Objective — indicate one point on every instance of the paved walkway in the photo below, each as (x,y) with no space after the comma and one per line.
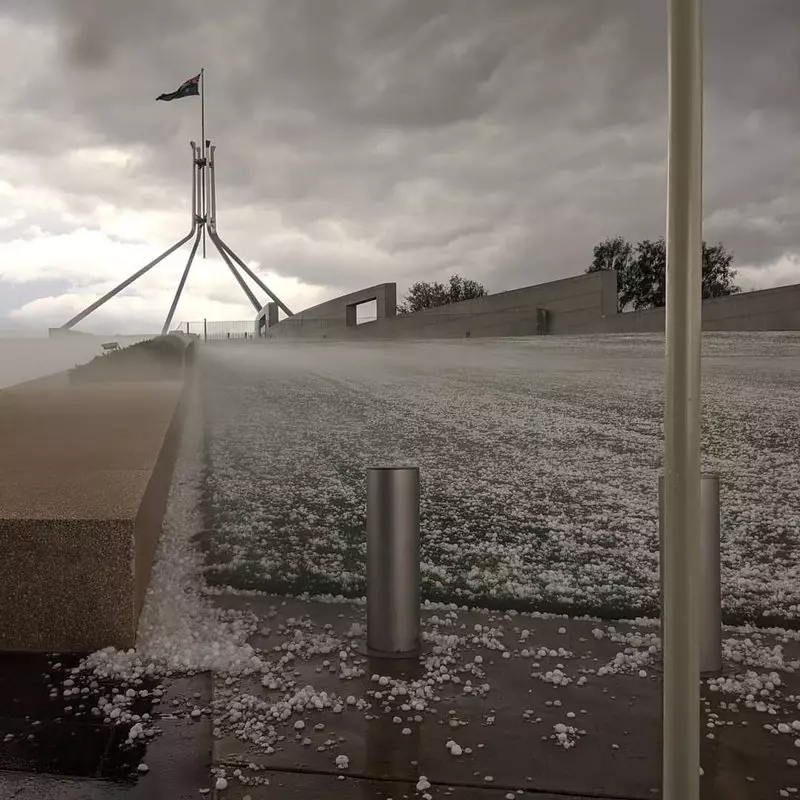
(52,748)
(537,708)
(507,725)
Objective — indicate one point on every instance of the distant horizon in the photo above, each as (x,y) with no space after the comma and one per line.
(27,334)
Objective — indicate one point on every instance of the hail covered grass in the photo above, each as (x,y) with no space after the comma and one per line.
(539,461)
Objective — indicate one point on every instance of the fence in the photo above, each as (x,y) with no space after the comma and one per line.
(215,330)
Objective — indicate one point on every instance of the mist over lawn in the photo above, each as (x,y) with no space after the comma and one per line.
(539,461)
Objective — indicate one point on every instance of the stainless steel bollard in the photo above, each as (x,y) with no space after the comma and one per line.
(393,575)
(710,591)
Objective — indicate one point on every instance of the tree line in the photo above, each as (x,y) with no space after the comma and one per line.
(641,277)
(423,295)
(642,271)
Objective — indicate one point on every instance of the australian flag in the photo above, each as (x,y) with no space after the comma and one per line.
(186,89)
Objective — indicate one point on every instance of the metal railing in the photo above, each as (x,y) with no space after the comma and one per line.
(219,330)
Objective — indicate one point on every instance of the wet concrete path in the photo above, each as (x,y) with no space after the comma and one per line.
(608,702)
(51,746)
(530,678)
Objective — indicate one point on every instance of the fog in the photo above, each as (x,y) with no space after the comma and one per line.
(539,459)
(400,362)
(26,359)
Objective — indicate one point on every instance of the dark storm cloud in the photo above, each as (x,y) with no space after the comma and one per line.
(94,31)
(498,139)
(411,239)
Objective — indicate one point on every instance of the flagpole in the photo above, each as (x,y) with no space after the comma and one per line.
(203,146)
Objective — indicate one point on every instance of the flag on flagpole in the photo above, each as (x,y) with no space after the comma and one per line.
(192,87)
(186,89)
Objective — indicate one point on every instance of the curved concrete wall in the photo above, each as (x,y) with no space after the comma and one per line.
(331,319)
(582,305)
(554,307)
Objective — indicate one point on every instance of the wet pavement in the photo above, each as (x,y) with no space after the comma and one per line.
(554,708)
(305,786)
(508,733)
(52,746)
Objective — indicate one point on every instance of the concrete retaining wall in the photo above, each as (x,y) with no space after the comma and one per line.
(766,310)
(585,304)
(333,319)
(85,472)
(555,307)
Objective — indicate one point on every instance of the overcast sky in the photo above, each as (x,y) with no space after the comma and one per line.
(363,141)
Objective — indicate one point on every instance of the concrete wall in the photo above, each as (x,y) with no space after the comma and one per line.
(766,310)
(332,319)
(582,305)
(555,307)
(86,476)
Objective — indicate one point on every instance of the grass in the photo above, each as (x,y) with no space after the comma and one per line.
(154,359)
(539,462)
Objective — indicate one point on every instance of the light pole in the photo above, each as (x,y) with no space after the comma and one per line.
(682,519)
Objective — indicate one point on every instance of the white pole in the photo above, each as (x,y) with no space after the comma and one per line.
(710,583)
(682,518)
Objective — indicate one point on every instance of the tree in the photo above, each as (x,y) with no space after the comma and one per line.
(464,289)
(642,271)
(647,276)
(615,254)
(718,272)
(432,295)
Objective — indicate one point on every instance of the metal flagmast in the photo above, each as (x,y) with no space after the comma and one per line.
(203,148)
(204,206)
(201,202)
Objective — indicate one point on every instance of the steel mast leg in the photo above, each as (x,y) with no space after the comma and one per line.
(212,231)
(211,205)
(128,281)
(245,288)
(255,278)
(185,275)
(212,191)
(116,290)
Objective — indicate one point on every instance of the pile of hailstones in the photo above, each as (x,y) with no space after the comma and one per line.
(260,720)
(94,695)
(264,719)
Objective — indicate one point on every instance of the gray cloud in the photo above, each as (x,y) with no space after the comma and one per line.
(500,140)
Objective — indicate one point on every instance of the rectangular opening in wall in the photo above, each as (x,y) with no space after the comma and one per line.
(366,312)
